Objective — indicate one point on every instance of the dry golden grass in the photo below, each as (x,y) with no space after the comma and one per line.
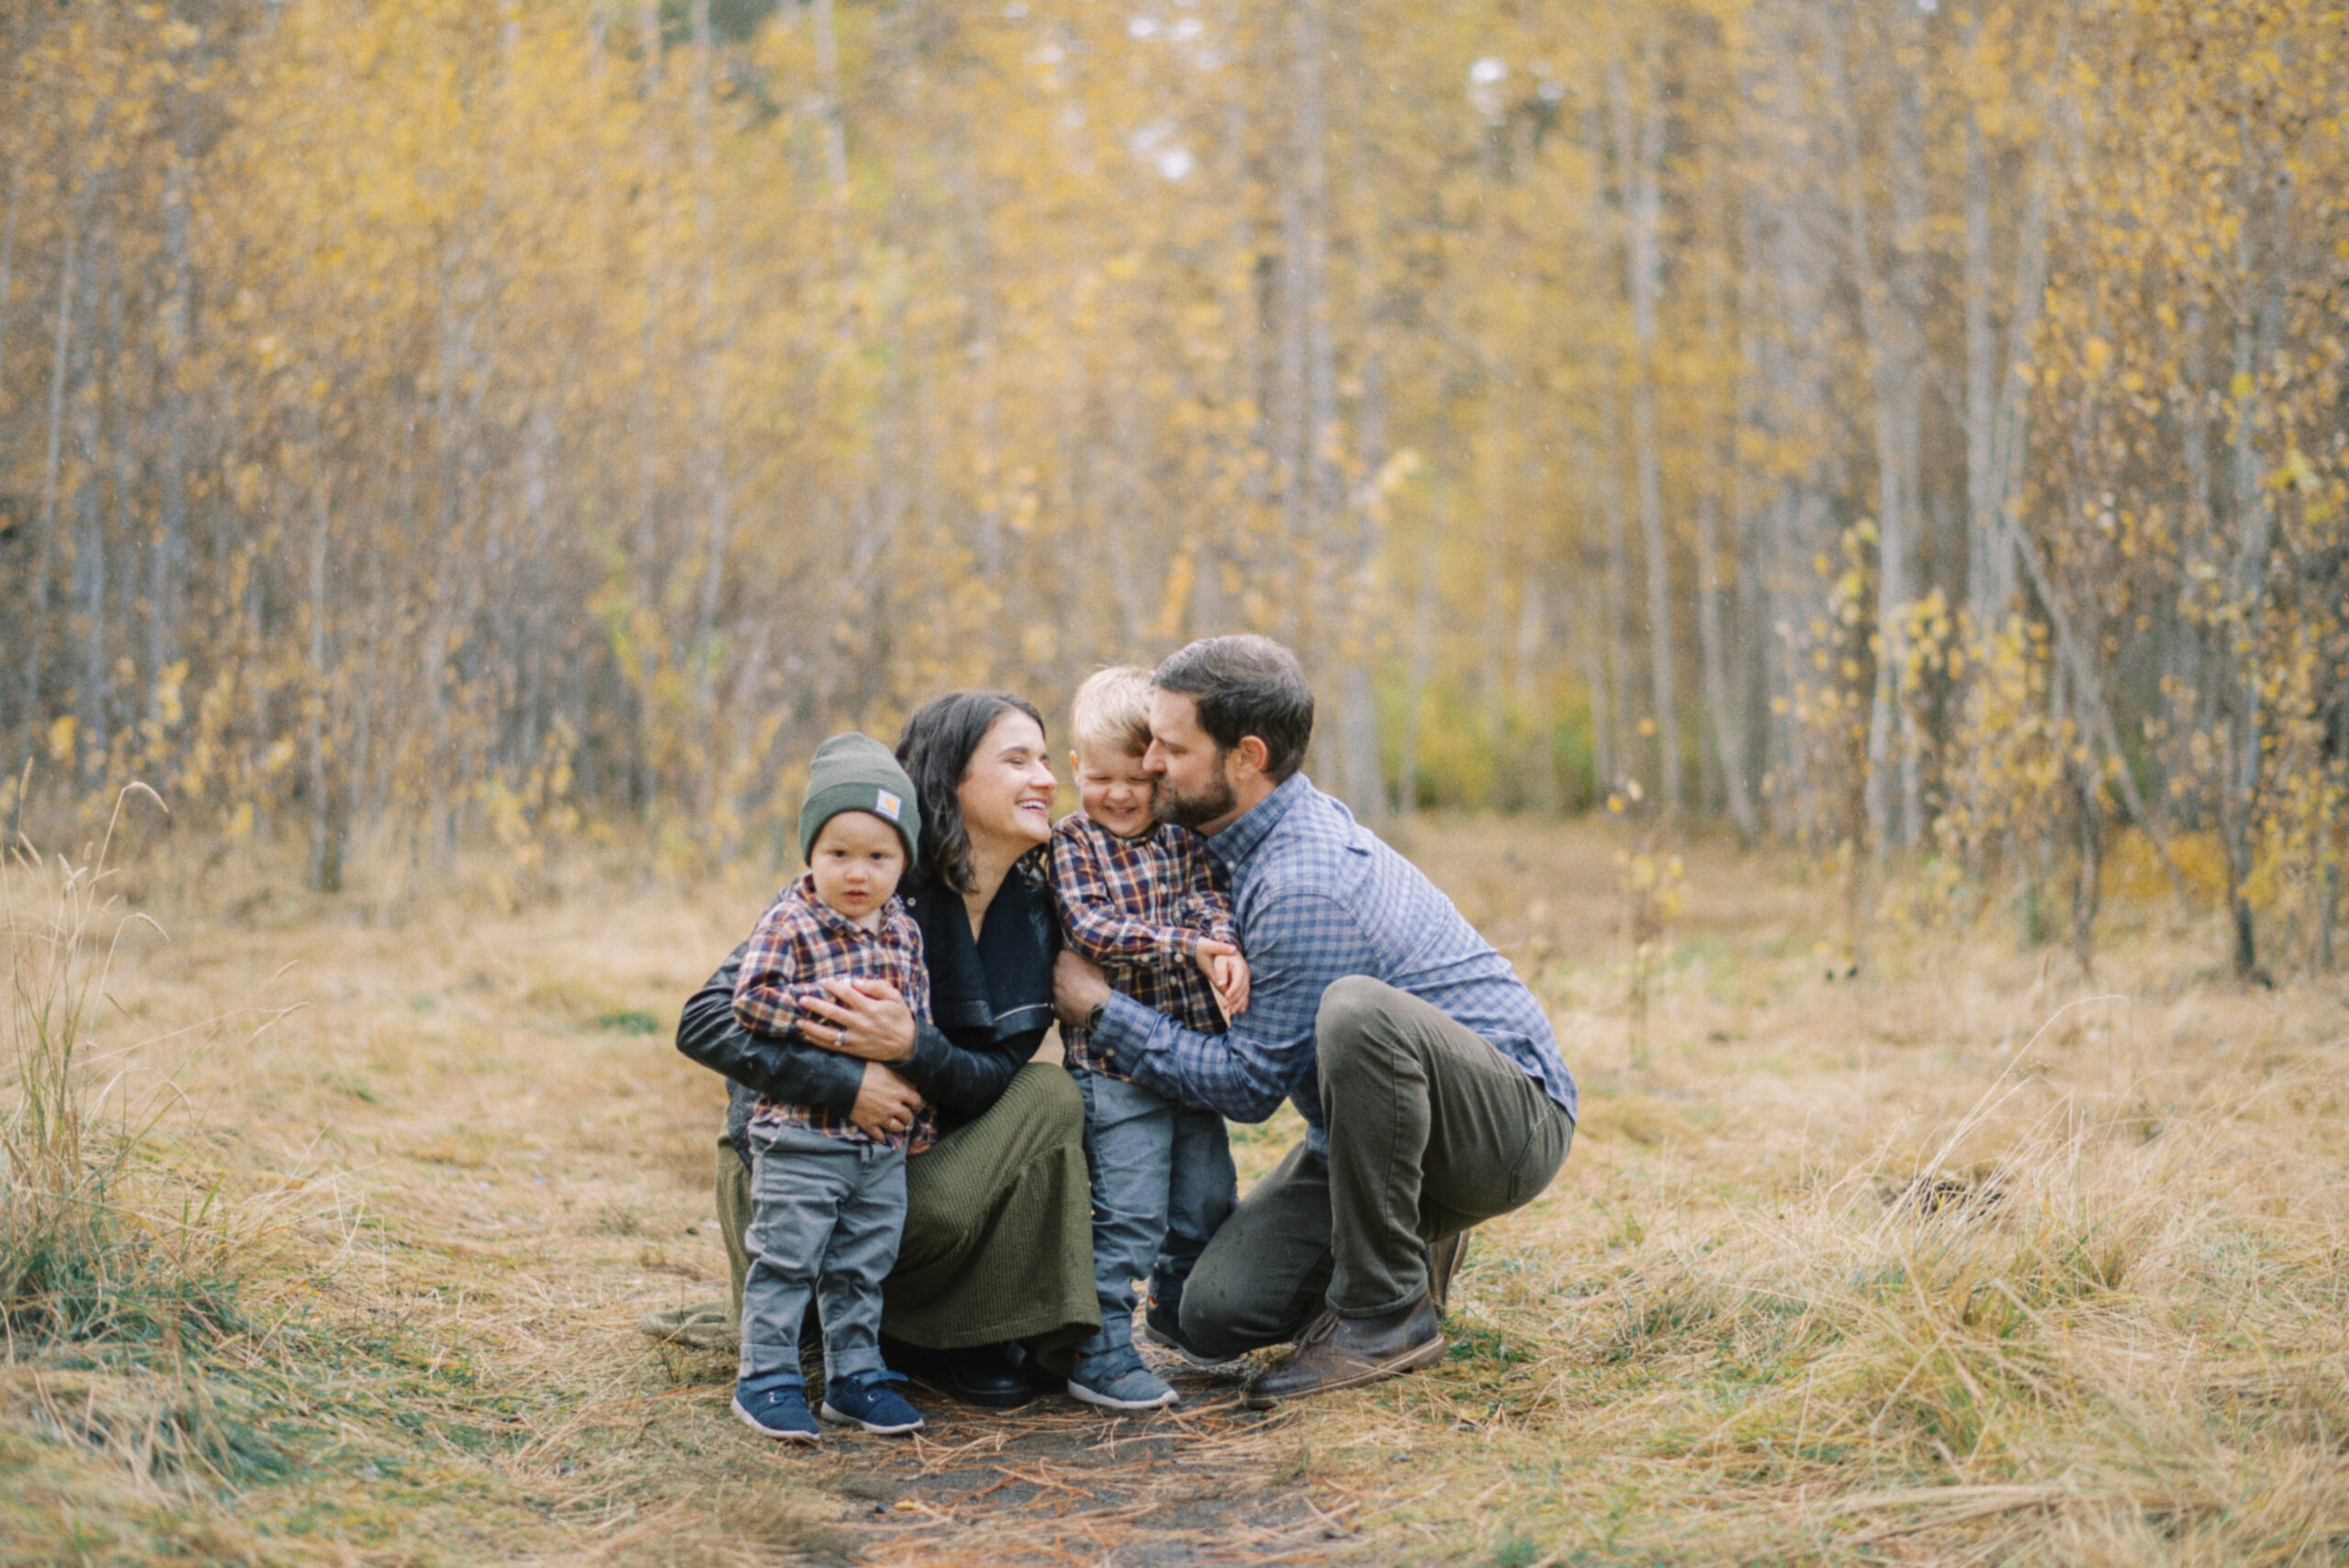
(1973,1260)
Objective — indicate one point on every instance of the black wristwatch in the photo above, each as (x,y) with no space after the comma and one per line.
(1093,1018)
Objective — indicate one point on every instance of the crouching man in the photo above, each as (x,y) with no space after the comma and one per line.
(1428,1078)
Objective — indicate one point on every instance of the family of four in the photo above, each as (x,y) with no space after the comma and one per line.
(1214,935)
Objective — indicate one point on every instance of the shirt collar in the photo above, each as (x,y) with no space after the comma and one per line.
(832,919)
(1237,842)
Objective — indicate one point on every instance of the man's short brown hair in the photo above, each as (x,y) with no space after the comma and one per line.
(1245,685)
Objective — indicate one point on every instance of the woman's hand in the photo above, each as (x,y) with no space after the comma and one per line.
(885,1104)
(868,1020)
(1227,972)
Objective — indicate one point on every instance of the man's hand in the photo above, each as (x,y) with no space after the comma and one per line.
(868,1019)
(1078,986)
(885,1104)
(1227,972)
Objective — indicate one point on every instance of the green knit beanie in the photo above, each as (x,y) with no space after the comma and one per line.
(856,772)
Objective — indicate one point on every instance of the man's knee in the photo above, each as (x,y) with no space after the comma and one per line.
(1354,1021)
(1216,1303)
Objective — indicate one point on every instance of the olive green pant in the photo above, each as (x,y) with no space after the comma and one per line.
(998,1238)
(1431,1129)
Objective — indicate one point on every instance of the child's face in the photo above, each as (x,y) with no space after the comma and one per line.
(857,859)
(1113,788)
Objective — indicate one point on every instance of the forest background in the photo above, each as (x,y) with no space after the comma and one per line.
(1911,429)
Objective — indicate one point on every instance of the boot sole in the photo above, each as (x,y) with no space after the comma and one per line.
(1412,1359)
(1094,1397)
(745,1417)
(831,1413)
(1192,1357)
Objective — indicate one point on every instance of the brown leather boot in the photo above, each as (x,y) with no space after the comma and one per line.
(1337,1352)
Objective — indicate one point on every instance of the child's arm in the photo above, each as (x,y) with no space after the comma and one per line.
(1208,908)
(1208,911)
(1092,918)
(772,986)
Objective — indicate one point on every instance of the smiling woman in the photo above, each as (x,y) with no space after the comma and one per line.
(998,1247)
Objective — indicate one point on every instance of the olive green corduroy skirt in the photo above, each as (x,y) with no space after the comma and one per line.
(998,1241)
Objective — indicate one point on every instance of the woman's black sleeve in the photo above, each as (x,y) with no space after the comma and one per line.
(961,1083)
(789,1069)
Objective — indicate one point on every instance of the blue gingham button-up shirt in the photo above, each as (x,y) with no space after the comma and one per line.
(1318,897)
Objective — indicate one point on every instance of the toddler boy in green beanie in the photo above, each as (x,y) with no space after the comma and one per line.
(829,1197)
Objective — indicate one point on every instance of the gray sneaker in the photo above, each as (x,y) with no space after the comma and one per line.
(1118,1381)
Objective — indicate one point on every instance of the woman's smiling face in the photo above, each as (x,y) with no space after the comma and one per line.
(1007,789)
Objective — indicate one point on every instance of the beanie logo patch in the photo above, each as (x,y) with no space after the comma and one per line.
(887,804)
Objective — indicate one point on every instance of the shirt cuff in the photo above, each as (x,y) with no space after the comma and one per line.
(1126,1029)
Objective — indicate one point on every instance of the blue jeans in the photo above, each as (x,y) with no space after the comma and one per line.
(825,1218)
(1163,1183)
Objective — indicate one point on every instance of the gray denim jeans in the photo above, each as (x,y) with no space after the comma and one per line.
(1162,1184)
(826,1214)
(1430,1129)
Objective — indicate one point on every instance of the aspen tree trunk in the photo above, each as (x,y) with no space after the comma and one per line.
(538,474)
(1415,686)
(1989,572)
(1728,721)
(164,563)
(92,549)
(1592,646)
(1639,153)
(827,101)
(1214,541)
(359,805)
(2194,420)
(1361,768)
(648,574)
(1492,619)
(1319,456)
(1905,247)
(1295,437)
(327,820)
(1794,218)
(711,388)
(1611,628)
(973,265)
(8,259)
(1617,619)
(2257,323)
(119,707)
(1536,753)
(1729,738)
(1887,328)
(45,536)
(1352,522)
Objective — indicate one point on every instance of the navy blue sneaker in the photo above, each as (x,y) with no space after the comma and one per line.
(867,1400)
(776,1411)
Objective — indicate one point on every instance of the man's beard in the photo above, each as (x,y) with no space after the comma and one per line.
(1192,810)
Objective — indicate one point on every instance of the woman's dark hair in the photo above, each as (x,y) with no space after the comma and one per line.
(1244,686)
(935,749)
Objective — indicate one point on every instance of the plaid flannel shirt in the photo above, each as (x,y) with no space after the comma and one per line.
(802,942)
(1319,897)
(1138,908)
